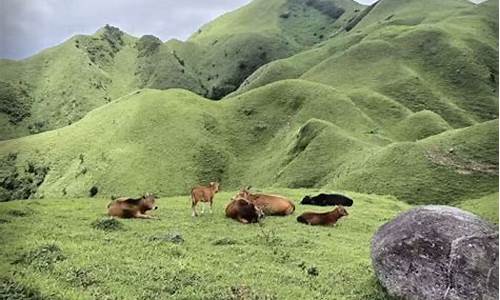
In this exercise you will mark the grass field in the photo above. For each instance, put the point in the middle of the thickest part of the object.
(218, 259)
(52, 248)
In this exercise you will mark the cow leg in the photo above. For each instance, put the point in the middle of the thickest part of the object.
(202, 207)
(211, 202)
(193, 207)
(143, 216)
(244, 221)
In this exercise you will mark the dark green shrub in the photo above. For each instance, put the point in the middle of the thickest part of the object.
(81, 277)
(171, 237)
(224, 241)
(42, 258)
(107, 224)
(14, 102)
(12, 290)
(148, 45)
(19, 184)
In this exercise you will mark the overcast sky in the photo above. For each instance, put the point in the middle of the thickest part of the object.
(28, 26)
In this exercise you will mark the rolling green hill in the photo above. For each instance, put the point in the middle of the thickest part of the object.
(397, 98)
(291, 133)
(425, 55)
(60, 85)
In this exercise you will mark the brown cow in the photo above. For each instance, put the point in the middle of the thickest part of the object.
(243, 211)
(328, 218)
(203, 194)
(132, 208)
(271, 205)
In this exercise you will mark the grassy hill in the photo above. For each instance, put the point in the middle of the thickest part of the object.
(402, 50)
(290, 133)
(375, 108)
(60, 85)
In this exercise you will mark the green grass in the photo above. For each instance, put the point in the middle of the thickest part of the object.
(486, 207)
(291, 133)
(68, 249)
(61, 255)
(445, 168)
(402, 50)
(63, 83)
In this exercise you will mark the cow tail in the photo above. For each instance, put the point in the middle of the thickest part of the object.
(292, 208)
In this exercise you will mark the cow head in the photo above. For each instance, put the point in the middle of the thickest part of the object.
(259, 212)
(243, 193)
(215, 186)
(342, 210)
(149, 201)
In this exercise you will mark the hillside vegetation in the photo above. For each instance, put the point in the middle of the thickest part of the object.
(398, 98)
(60, 85)
(291, 133)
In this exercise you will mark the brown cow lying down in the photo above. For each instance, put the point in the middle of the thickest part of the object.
(132, 208)
(328, 218)
(243, 211)
(203, 194)
(271, 205)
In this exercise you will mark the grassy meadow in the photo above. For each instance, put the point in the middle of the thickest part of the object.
(181, 257)
(68, 249)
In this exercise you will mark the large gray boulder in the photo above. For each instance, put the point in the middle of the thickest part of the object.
(437, 252)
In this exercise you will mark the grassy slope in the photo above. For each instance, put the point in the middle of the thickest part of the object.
(401, 50)
(291, 133)
(127, 264)
(227, 50)
(65, 82)
(486, 207)
(455, 165)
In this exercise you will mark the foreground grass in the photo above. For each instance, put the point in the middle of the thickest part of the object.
(180, 257)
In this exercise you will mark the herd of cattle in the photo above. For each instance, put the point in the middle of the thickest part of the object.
(245, 207)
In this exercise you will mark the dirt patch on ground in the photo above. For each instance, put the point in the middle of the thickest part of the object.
(461, 165)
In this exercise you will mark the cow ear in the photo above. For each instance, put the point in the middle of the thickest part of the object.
(248, 187)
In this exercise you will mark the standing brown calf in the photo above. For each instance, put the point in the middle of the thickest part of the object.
(328, 218)
(203, 194)
(243, 211)
(132, 208)
(270, 204)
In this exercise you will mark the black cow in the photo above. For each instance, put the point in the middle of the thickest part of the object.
(327, 200)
